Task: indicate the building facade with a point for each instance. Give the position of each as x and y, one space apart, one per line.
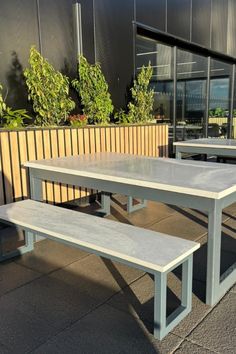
191 45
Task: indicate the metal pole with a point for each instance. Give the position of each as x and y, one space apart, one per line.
231 107
205 131
174 92
78 28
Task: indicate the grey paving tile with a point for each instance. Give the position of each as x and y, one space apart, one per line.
52 300
13 275
96 276
181 225
11 238
228 256
4 349
154 212
50 255
188 347
138 300
108 330
233 289
21 331
218 330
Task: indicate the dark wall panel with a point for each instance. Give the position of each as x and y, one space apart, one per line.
88 29
114 44
231 37
152 13
219 24
178 18
18 31
201 22
56 20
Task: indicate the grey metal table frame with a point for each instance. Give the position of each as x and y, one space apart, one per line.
216 284
218 147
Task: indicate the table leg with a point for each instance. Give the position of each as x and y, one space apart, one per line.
105 203
36 193
217 285
178 154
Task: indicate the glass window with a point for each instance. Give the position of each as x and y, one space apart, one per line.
161 58
191 95
219 101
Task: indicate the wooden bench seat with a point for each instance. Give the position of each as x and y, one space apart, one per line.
147 250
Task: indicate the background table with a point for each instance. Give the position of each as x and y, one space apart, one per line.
195 184
209 146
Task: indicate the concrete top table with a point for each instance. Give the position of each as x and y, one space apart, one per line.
210 146
177 182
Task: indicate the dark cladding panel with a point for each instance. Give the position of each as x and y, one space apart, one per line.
219 25
178 18
56 20
114 44
231 38
88 29
151 13
18 31
201 23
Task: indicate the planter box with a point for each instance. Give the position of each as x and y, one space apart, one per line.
21 145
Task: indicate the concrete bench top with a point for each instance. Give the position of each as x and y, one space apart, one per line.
195 178
148 249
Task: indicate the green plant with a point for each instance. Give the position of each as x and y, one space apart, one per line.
48 90
141 107
93 90
121 117
78 120
234 113
14 118
2 103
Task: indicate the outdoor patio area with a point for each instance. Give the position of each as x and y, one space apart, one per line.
58 299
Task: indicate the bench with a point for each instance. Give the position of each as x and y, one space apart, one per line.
149 251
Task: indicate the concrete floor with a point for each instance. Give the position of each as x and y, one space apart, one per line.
62 300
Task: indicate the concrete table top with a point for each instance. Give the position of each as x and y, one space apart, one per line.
209 142
188 177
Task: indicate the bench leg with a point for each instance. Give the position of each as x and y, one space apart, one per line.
131 207
105 203
28 247
162 324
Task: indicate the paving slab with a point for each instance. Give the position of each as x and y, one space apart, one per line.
105 331
50 255
52 301
233 289
97 276
137 299
218 331
153 212
188 347
181 225
13 275
20 331
4 349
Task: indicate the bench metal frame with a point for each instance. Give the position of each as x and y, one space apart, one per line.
106 204
216 285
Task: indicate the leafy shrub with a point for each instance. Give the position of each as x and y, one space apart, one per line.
48 90
2 103
93 90
121 117
78 120
141 107
14 118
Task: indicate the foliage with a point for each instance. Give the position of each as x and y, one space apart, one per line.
234 113
48 90
217 112
93 90
2 103
78 120
14 118
141 107
121 117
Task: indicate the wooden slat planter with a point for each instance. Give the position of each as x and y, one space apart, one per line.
19 146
